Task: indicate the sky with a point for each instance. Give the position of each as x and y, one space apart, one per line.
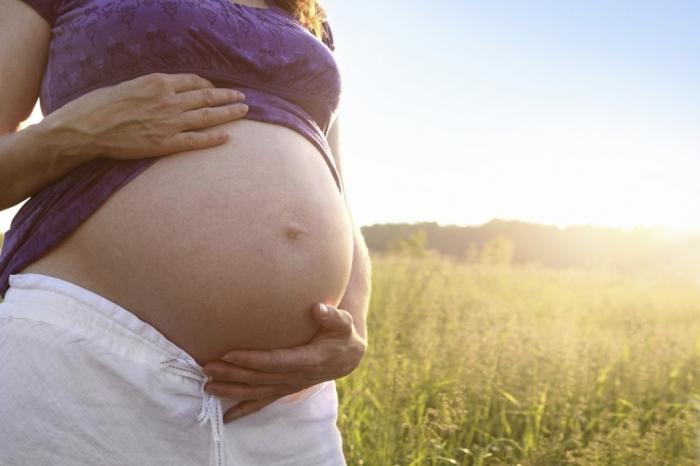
576 112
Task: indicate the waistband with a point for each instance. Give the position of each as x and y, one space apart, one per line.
67 305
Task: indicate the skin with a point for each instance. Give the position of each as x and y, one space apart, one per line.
174 108
259 378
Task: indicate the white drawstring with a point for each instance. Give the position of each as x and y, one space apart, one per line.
211 405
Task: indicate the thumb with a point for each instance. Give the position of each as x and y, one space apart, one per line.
333 318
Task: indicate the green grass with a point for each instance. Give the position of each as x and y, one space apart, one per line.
476 365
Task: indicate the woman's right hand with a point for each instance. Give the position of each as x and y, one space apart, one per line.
152 115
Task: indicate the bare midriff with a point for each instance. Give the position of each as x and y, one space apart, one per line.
220 248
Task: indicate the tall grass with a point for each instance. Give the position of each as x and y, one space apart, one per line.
475 365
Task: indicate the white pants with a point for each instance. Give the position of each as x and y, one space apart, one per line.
83 381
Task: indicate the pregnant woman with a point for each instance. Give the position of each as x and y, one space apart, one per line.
174 258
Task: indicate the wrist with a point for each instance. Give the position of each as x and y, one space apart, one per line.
63 144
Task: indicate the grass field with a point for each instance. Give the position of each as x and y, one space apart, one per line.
483 365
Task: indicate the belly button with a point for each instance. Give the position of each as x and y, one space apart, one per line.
293 232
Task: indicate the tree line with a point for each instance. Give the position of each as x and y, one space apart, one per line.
517 242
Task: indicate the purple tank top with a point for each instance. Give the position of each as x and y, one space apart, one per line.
289 77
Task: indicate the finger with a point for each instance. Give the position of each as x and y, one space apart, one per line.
306 358
209 97
211 116
241 391
224 372
191 140
334 319
248 407
182 82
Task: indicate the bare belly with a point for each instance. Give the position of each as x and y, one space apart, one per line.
221 248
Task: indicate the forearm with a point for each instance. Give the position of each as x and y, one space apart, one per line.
34 157
357 294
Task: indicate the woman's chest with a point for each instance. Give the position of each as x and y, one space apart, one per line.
100 42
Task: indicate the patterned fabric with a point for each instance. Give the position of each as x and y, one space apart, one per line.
290 78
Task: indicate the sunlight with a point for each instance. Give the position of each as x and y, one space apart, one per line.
35 117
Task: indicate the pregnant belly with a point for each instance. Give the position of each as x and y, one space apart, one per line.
221 248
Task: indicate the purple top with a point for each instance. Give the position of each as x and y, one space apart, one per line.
289 77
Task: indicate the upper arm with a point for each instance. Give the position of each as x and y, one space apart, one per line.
25 33
334 143
327 37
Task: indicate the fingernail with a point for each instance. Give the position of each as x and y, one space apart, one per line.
227 357
324 309
241 96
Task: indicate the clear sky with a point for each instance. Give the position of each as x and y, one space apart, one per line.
576 112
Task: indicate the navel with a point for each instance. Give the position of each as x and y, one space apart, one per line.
293 232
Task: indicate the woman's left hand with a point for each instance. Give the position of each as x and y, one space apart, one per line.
260 377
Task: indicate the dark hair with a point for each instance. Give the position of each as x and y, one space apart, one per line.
308 12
